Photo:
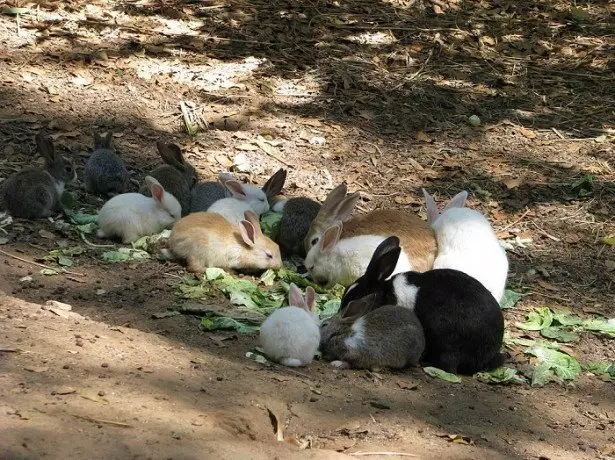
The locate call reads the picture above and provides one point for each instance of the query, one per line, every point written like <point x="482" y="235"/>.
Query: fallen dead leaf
<point x="526" y="132"/>
<point x="415" y="164"/>
<point x="405" y="385"/>
<point x="36" y="369"/>
<point x="65" y="390"/>
<point x="94" y="397"/>
<point x="421" y="136"/>
<point x="277" y="426"/>
<point x="513" y="183"/>
<point x="547" y="286"/>
<point x="45" y="234"/>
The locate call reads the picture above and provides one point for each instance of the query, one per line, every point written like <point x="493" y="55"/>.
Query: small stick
<point x="541" y="231"/>
<point x="77" y="280"/>
<point x="558" y="133"/>
<point x="37" y="264"/>
<point x="516" y="221"/>
<point x="561" y="299"/>
<point x="392" y="454"/>
<point x="106" y="422"/>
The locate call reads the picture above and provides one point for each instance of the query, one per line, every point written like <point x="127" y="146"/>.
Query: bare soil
<point x="374" y="94"/>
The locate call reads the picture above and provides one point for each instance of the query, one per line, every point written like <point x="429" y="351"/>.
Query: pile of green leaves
<point x="564" y="327"/>
<point x="259" y="299"/>
<point x="63" y="257"/>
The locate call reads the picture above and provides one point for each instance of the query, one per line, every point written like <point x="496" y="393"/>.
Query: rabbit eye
<point x="314" y="241"/>
<point x="68" y="169"/>
<point x="269" y="255"/>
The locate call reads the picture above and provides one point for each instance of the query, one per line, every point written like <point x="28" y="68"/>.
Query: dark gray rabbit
<point x="207" y="193"/>
<point x="177" y="177"/>
<point x="462" y="321"/>
<point x="365" y="335"/>
<point x="36" y="192"/>
<point x="105" y="173"/>
<point x="298" y="214"/>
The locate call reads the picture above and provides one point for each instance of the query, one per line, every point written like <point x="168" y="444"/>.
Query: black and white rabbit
<point x="462" y="321"/>
<point x="365" y="335"/>
<point x="105" y="173"/>
<point x="36" y="192"/>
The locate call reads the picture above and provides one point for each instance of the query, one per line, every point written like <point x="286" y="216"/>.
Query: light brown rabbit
<point x="339" y="246"/>
<point x="206" y="239"/>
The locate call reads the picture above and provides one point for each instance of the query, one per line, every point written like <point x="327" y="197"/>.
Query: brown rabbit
<point x="339" y="246"/>
<point x="206" y="239"/>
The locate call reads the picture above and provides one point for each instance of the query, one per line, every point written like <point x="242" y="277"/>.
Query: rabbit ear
<point x="360" y="307"/>
<point x="253" y="219"/>
<point x="236" y="189"/>
<point x="458" y="201"/>
<point x="431" y="207"/>
<point x="295" y="297"/>
<point x="331" y="237"/>
<point x="97" y="140"/>
<point x="333" y="199"/>
<point x="224" y="177"/>
<point x="171" y="154"/>
<point x="346" y="206"/>
<point x="310" y="297"/>
<point x="247" y="232"/>
<point x="274" y="185"/>
<point x="155" y="188"/>
<point x="107" y="139"/>
<point x="384" y="260"/>
<point x="45" y="147"/>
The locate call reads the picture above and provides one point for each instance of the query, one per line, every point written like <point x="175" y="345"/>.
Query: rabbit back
<point x="416" y="237"/>
<point x="463" y="323"/>
<point x="296" y="220"/>
<point x="105" y="173"/>
<point x="290" y="335"/>
<point x="389" y="336"/>
<point x="205" y="194"/>
<point x="174" y="183"/>
<point x="231" y="209"/>
<point x="467" y="242"/>
<point x="31" y="194"/>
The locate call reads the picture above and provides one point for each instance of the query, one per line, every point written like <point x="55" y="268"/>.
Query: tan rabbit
<point x="206" y="239"/>
<point x="339" y="246"/>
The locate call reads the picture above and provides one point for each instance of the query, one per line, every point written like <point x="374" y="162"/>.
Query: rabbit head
<point x="380" y="267"/>
<point x="172" y="155"/>
<point x="296" y="299"/>
<point x="252" y="195"/>
<point x="317" y="260"/>
<point x="164" y="200"/>
<point x="61" y="168"/>
<point x="458" y="201"/>
<point x="103" y="142"/>
<point x="264" y="253"/>
<point x="337" y="207"/>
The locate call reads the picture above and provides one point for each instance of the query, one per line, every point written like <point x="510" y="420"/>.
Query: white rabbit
<point x="245" y="197"/>
<point x="341" y="261"/>
<point x="467" y="242"/>
<point x="291" y="335"/>
<point x="130" y="216"/>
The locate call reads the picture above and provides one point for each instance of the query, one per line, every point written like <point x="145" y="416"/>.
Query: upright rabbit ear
<point x="236" y="189"/>
<point x="333" y="199"/>
<point x="171" y="154"/>
<point x="108" y="139"/>
<point x="274" y="185"/>
<point x="330" y="237"/>
<point x="360" y="307"/>
<point x="248" y="233"/>
<point x="295" y="297"/>
<point x="45" y="147"/>
<point x="253" y="219"/>
<point x="431" y="207"/>
<point x="310" y="297"/>
<point x="344" y="209"/>
<point x="155" y="188"/>
<point x="384" y="260"/>
<point x="458" y="201"/>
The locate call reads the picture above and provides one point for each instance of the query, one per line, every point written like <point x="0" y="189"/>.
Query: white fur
<point x="290" y="334"/>
<point x="356" y="339"/>
<point x="233" y="208"/>
<point x="132" y="215"/>
<point x="347" y="260"/>
<point x="466" y="242"/>
<point x="405" y="292"/>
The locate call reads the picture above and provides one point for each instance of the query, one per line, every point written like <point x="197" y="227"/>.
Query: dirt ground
<point x="377" y="94"/>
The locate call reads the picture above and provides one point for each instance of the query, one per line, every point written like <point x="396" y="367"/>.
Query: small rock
<point x="26" y="279"/>
<point x="58" y="305"/>
<point x="45" y="234"/>
<point x="66" y="366"/>
<point x="79" y="342"/>
<point x="380" y="405"/>
<point x="104" y="365"/>
<point x="101" y="393"/>
<point x="65" y="390"/>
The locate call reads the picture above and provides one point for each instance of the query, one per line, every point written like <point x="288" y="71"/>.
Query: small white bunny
<point x="291" y="335"/>
<point x="130" y="216"/>
<point x="467" y="242"/>
<point x="245" y="197"/>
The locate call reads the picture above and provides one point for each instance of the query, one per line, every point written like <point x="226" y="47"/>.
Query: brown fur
<point x="206" y="239"/>
<point x="416" y="237"/>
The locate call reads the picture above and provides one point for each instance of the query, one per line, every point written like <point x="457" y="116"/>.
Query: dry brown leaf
<point x="513" y="183"/>
<point x="526" y="132"/>
<point x="405" y="385"/>
<point x="36" y="369"/>
<point x="94" y="397"/>
<point x="547" y="286"/>
<point x="65" y="390"/>
<point x="246" y="147"/>
<point x="403" y="199"/>
<point x="415" y="164"/>
<point x="421" y="136"/>
<point x="277" y="426"/>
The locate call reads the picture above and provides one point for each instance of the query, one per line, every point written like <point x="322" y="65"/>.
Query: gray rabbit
<point x="365" y="336"/>
<point x="298" y="214"/>
<point x="105" y="173"/>
<point x="177" y="177"/>
<point x="36" y="192"/>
